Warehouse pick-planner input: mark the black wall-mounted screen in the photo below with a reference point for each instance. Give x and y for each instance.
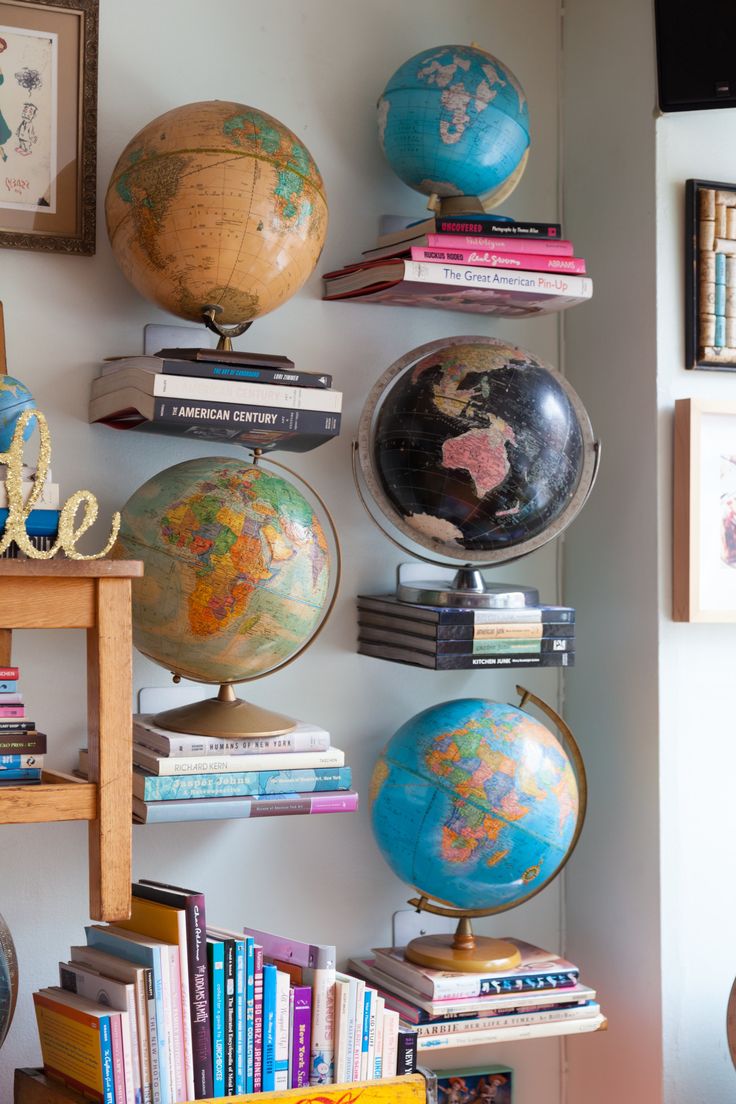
(696, 53)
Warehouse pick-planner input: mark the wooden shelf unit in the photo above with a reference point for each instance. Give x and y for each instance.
(92, 595)
(33, 1087)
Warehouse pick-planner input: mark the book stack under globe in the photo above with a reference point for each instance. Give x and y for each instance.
(181, 776)
(541, 996)
(22, 747)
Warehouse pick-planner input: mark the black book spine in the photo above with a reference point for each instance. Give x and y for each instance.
(465, 647)
(406, 1058)
(440, 633)
(229, 1017)
(239, 417)
(202, 369)
(463, 662)
(193, 905)
(229, 356)
(34, 743)
(438, 615)
(485, 226)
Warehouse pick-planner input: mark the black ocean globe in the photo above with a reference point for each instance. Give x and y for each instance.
(476, 449)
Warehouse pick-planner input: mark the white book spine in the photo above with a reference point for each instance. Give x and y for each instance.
(358, 1033)
(185, 1011)
(281, 1055)
(247, 394)
(378, 1054)
(506, 1034)
(342, 1017)
(48, 499)
(223, 764)
(177, 1023)
(547, 283)
(322, 1065)
(390, 1043)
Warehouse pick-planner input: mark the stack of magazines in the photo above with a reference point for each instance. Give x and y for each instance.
(178, 776)
(475, 262)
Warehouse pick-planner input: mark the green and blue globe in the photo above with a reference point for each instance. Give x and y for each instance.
(477, 804)
(14, 399)
(454, 120)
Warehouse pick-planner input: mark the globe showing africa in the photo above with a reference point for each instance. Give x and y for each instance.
(476, 804)
(454, 120)
(477, 450)
(216, 204)
(236, 569)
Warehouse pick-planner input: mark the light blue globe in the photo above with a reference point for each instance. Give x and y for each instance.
(14, 399)
(477, 804)
(454, 121)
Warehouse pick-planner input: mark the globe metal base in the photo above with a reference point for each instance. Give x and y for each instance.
(468, 589)
(463, 952)
(225, 717)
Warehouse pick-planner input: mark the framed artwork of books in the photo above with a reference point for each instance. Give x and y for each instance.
(48, 124)
(704, 511)
(710, 275)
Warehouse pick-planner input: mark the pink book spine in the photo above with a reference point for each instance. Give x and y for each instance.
(118, 1061)
(561, 248)
(12, 711)
(257, 1018)
(488, 258)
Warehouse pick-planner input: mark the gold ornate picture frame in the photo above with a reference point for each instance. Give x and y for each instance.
(704, 511)
(48, 124)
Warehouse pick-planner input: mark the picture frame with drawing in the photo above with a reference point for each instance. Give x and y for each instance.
(704, 511)
(48, 124)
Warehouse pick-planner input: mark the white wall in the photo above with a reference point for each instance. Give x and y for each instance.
(696, 677)
(318, 66)
(610, 557)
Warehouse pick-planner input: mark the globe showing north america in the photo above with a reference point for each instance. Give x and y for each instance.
(477, 449)
(454, 120)
(477, 804)
(237, 569)
(216, 204)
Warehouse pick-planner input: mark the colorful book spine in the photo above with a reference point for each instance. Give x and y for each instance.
(228, 808)
(249, 1012)
(406, 1056)
(239, 1016)
(378, 1054)
(76, 1047)
(8, 686)
(246, 373)
(281, 1045)
(118, 1060)
(548, 247)
(301, 1037)
(243, 784)
(193, 904)
(39, 523)
(365, 1031)
(487, 258)
(154, 1048)
(487, 224)
(268, 1080)
(216, 959)
(7, 711)
(257, 1018)
(21, 762)
(229, 1017)
(9, 673)
(21, 774)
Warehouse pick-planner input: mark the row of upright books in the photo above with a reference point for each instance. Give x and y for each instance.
(449, 639)
(165, 1008)
(181, 776)
(542, 996)
(22, 746)
(253, 399)
(475, 262)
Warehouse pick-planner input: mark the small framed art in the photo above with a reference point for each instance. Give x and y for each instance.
(48, 124)
(704, 511)
(710, 275)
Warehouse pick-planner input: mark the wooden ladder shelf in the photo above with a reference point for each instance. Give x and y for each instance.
(92, 595)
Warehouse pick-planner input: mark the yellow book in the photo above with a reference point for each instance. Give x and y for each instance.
(169, 925)
(76, 1043)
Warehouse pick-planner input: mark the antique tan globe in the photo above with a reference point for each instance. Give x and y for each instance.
(216, 209)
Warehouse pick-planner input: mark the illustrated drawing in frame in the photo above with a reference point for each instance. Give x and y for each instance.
(710, 275)
(48, 124)
(704, 511)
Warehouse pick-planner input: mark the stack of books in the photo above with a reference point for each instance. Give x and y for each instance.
(448, 639)
(22, 747)
(177, 776)
(542, 996)
(42, 523)
(251, 399)
(168, 1007)
(476, 262)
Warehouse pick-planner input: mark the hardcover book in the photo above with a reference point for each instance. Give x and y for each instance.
(229, 808)
(446, 615)
(149, 787)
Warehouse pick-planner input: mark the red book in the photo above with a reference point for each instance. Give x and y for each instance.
(490, 258)
(10, 673)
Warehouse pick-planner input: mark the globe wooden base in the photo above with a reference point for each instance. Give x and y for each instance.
(225, 717)
(463, 952)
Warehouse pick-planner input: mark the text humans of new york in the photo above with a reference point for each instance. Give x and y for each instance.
(498, 278)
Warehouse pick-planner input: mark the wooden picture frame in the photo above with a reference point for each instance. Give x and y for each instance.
(710, 275)
(704, 511)
(48, 124)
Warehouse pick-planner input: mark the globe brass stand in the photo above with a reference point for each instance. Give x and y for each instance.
(225, 335)
(463, 951)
